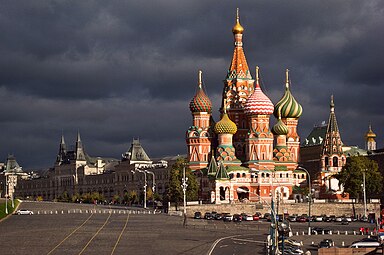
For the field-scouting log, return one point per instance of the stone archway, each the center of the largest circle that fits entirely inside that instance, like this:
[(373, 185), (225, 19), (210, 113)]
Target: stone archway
[(242, 193)]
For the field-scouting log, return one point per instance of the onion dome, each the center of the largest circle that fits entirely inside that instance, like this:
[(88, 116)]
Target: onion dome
[(225, 125), (370, 134), (237, 28), (258, 103), (288, 106), (280, 128), (200, 102)]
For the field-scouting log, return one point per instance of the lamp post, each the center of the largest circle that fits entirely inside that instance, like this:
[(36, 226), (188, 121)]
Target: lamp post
[(365, 196), (6, 194), (145, 186), (184, 185), (309, 198), (153, 186)]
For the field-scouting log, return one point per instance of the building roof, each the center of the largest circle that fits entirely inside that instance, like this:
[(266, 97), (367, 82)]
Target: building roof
[(317, 135), (11, 166), (136, 153)]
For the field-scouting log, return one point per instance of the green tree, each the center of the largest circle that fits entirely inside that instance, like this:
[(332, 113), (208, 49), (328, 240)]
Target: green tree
[(351, 177), (175, 191)]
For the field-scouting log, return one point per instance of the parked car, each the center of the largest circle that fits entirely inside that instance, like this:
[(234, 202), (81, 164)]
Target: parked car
[(213, 214), (292, 218), (246, 217), (302, 219), (256, 217), (208, 216), (365, 242), (237, 218), (197, 215), (326, 243), (318, 218), (24, 212), (219, 216), (227, 217)]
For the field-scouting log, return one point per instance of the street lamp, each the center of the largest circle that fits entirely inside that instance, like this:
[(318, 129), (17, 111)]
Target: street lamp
[(153, 179), (184, 185), (145, 185), (365, 196), (309, 198), (153, 186), (6, 194)]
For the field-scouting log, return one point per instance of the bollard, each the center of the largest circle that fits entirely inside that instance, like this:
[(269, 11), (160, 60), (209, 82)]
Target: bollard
[(51, 212), (330, 232), (301, 243), (62, 212), (346, 232), (303, 233), (338, 232), (86, 211), (55, 212), (297, 233), (354, 232), (69, 211), (81, 211), (312, 243), (322, 232), (342, 243)]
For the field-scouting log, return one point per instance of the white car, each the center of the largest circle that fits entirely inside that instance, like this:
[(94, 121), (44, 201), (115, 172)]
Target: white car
[(24, 212)]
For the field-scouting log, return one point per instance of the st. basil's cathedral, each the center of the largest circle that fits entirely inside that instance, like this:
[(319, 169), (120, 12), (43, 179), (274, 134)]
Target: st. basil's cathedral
[(240, 157)]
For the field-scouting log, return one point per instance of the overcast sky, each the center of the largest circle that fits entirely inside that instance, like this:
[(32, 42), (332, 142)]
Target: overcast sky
[(118, 70)]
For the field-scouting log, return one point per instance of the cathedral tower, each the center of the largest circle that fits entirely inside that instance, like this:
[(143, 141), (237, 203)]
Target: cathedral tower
[(290, 111), (199, 135), (370, 138), (259, 141), (238, 85), (332, 158)]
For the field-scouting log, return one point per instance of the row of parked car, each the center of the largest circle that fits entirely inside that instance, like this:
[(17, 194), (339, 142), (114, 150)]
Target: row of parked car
[(227, 216), (320, 218)]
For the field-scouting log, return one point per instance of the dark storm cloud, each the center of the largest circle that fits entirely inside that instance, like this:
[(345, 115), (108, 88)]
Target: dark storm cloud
[(115, 70)]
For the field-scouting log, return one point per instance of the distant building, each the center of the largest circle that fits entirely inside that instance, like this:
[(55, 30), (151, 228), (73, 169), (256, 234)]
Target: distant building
[(324, 154), (10, 173), (75, 172)]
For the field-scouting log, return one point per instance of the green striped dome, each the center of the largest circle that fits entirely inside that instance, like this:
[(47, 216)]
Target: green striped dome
[(225, 126), (288, 106), (280, 128)]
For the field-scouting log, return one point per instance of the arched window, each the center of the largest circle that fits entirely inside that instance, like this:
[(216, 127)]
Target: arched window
[(335, 162), (238, 175), (262, 175), (243, 175)]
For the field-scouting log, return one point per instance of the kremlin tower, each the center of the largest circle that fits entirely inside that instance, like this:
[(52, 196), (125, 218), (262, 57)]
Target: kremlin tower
[(370, 138)]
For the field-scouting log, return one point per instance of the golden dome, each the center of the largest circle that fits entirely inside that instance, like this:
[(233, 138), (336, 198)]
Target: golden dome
[(237, 28), (225, 126), (370, 133)]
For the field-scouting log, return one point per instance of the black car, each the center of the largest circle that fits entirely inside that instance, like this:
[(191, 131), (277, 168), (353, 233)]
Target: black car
[(326, 243), (237, 218), (208, 216), (219, 216), (197, 215)]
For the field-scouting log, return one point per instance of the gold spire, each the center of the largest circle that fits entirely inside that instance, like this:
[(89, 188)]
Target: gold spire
[(237, 28), (200, 80), (257, 76), (287, 78)]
